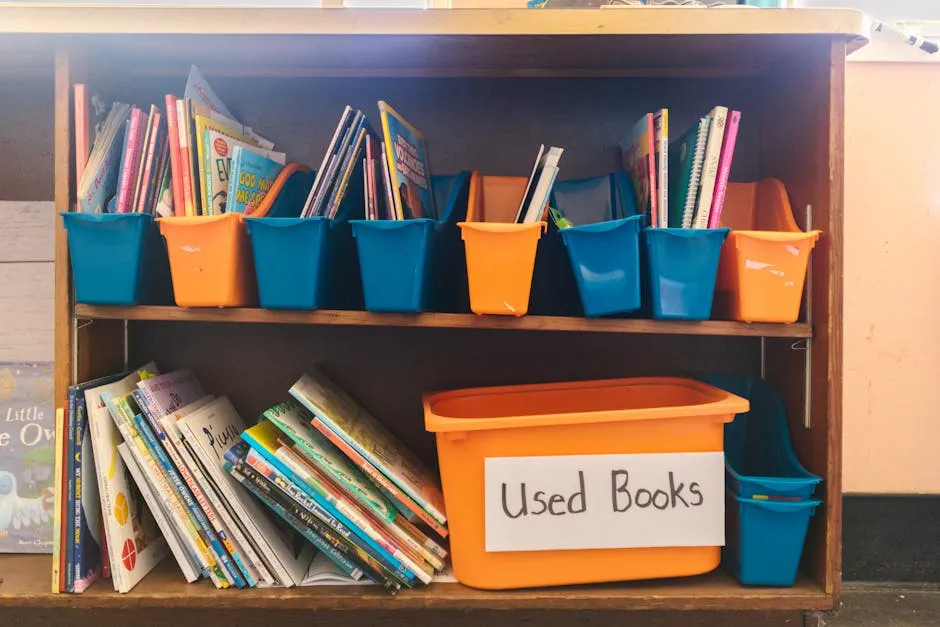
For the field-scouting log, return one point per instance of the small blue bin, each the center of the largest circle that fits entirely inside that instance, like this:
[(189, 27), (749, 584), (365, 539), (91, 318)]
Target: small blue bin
[(765, 539), (299, 263), (759, 455), (605, 258), (682, 268), (118, 259), (394, 257)]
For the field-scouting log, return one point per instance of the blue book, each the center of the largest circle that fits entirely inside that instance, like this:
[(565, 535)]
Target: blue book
[(153, 446), (98, 187), (308, 498), (250, 179), (68, 520)]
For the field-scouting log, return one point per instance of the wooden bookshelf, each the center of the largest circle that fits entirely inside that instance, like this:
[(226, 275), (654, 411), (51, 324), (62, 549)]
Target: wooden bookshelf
[(486, 87), (446, 321)]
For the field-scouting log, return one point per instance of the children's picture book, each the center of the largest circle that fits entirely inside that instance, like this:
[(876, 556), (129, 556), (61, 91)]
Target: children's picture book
[(27, 458), (251, 178), (724, 169), (198, 90), (135, 544), (408, 166), (218, 149), (687, 153), (340, 415), (638, 155), (98, 184)]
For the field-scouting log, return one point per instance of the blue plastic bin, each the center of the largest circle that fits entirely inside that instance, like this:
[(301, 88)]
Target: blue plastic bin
[(118, 259), (682, 268), (765, 539), (394, 257), (759, 455), (304, 263), (605, 258)]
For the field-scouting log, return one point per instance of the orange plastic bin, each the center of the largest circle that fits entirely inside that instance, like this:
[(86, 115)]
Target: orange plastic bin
[(500, 253), (210, 260), (764, 259), (616, 416)]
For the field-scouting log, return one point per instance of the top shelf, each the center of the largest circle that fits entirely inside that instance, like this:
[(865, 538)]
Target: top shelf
[(279, 41)]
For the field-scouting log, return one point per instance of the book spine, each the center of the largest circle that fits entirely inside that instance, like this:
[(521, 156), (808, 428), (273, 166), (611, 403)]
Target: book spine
[(186, 177), (129, 163), (263, 492), (82, 131), (68, 516), (105, 494), (651, 163), (207, 187), (359, 521), (77, 509), (662, 149), (173, 133), (124, 418), (281, 476), (146, 169), (276, 496), (208, 510), (196, 514), (58, 492), (724, 169), (408, 527), (376, 475)]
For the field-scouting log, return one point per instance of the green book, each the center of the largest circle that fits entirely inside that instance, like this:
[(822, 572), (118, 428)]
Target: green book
[(688, 154)]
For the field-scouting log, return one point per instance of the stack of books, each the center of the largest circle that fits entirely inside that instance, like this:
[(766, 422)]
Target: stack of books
[(300, 498)]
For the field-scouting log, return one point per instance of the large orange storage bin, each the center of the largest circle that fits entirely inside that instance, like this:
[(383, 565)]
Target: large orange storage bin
[(764, 259), (500, 253), (210, 260), (615, 416)]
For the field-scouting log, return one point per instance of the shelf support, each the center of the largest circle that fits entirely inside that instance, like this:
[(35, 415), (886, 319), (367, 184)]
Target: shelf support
[(808, 355)]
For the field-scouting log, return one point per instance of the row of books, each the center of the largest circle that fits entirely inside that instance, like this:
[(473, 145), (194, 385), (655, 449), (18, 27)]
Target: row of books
[(316, 492), (690, 191)]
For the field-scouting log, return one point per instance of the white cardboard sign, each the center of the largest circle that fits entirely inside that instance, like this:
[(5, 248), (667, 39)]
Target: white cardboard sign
[(604, 501)]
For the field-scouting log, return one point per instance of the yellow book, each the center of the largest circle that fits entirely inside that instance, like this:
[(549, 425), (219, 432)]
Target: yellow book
[(57, 508)]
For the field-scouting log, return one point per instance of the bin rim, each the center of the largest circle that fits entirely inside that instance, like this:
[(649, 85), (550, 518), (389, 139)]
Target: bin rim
[(778, 506), (722, 405), (194, 220), (778, 236), (503, 227), (106, 217), (605, 226)]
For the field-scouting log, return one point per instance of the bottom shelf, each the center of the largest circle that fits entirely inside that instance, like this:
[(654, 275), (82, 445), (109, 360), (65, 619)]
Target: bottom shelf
[(25, 582)]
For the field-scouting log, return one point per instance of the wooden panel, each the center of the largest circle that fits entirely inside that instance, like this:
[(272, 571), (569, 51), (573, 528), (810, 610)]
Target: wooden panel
[(26, 306), (803, 144), (64, 199), (446, 321), (26, 581), (27, 231)]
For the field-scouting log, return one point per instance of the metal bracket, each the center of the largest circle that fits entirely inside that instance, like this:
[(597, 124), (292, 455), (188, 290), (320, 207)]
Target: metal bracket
[(808, 356)]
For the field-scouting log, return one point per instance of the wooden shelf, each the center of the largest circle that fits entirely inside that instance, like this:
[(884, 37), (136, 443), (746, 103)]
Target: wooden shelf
[(449, 321), (25, 583)]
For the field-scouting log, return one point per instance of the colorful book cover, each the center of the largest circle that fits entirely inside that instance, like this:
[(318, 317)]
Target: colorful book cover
[(251, 179), (135, 545), (408, 165), (219, 151), (130, 161), (210, 431), (173, 134), (362, 432), (165, 393), (638, 156), (203, 121), (687, 153), (27, 458), (99, 180), (661, 146), (724, 169), (184, 122)]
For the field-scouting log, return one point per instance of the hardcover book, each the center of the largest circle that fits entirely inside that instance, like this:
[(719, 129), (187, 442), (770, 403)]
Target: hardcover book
[(408, 166)]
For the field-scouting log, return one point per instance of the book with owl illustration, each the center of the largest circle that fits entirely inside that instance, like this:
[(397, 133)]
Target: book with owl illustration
[(27, 458), (135, 544)]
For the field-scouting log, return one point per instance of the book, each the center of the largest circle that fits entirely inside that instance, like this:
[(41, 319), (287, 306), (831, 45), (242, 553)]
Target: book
[(205, 120), (333, 169), (82, 130), (98, 184), (184, 122), (252, 176), (153, 146), (198, 90), (348, 170), (724, 169), (408, 166), (357, 430), (130, 161), (688, 153), (135, 544), (661, 148), (210, 431), (218, 149), (185, 560), (165, 203), (27, 458), (58, 552), (638, 158), (173, 137), (716, 135), (88, 524), (539, 186), (332, 149)]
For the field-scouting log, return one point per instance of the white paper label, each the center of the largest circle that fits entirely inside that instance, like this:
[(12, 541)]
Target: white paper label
[(604, 501)]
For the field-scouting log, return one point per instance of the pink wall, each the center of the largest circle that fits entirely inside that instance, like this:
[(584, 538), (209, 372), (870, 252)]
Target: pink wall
[(892, 278)]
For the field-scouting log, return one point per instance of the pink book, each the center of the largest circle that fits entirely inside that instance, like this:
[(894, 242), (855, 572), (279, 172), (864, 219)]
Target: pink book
[(148, 162), (165, 393), (724, 169), (130, 161)]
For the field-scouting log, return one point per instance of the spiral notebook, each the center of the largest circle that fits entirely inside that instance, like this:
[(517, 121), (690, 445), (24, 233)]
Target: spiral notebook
[(689, 153)]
